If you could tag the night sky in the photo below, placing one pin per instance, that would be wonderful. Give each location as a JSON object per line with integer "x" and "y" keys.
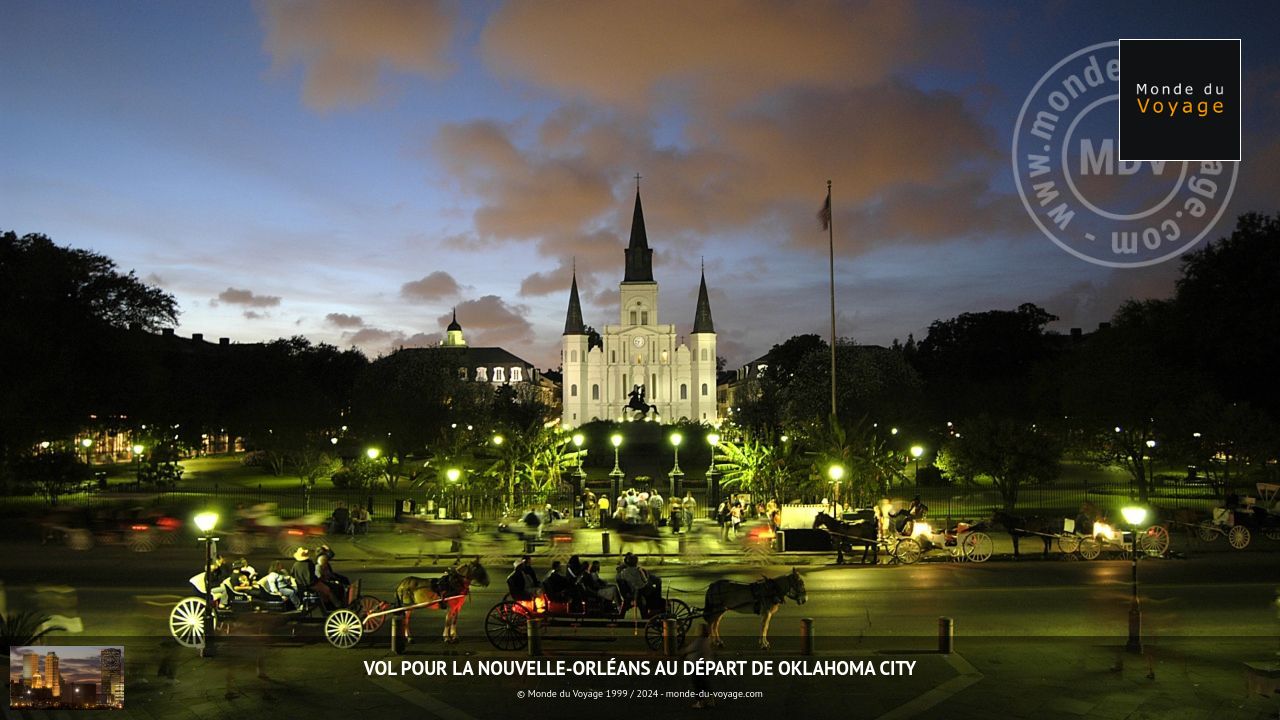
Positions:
{"x": 351, "y": 171}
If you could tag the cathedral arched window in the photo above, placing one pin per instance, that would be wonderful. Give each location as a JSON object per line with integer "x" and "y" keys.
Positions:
{"x": 573, "y": 391}
{"x": 684, "y": 391}
{"x": 573, "y": 356}
{"x": 644, "y": 317}
{"x": 595, "y": 392}
{"x": 704, "y": 354}
{"x": 704, "y": 389}
{"x": 613, "y": 357}
{"x": 633, "y": 317}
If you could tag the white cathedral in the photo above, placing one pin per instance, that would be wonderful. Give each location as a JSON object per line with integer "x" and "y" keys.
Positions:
{"x": 640, "y": 358}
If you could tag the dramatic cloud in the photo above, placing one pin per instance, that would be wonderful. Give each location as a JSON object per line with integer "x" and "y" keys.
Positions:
{"x": 491, "y": 321}
{"x": 343, "y": 320}
{"x": 435, "y": 286}
{"x": 232, "y": 296}
{"x": 344, "y": 46}
{"x": 720, "y": 51}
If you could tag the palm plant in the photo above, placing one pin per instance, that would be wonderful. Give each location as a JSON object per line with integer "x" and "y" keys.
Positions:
{"x": 24, "y": 628}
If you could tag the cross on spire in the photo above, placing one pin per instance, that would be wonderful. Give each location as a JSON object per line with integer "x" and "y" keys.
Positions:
{"x": 637, "y": 182}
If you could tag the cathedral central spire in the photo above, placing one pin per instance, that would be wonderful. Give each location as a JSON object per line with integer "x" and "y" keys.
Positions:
{"x": 639, "y": 255}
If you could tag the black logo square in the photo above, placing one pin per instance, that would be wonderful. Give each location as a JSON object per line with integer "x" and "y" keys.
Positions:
{"x": 1180, "y": 100}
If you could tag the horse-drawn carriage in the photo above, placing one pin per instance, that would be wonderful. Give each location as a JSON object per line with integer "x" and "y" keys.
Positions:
{"x": 1086, "y": 536}
{"x": 343, "y": 627}
{"x": 506, "y": 625}
{"x": 1238, "y": 520}
{"x": 908, "y": 539}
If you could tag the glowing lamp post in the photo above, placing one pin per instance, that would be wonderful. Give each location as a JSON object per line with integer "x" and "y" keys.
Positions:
{"x": 1135, "y": 516}
{"x": 206, "y": 522}
{"x": 916, "y": 452}
{"x": 1151, "y": 461}
{"x": 87, "y": 444}
{"x": 372, "y": 453}
{"x": 615, "y": 475}
{"x": 578, "y": 474}
{"x": 676, "y": 474}
{"x": 137, "y": 463}
{"x": 836, "y": 473}
{"x": 453, "y": 474}
{"x": 498, "y": 440}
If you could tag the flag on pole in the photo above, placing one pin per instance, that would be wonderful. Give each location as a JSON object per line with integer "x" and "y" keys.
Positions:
{"x": 824, "y": 215}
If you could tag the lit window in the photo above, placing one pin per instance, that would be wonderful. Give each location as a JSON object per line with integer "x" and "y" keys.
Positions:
{"x": 516, "y": 375}
{"x": 704, "y": 389}
{"x": 462, "y": 373}
{"x": 499, "y": 375}
{"x": 595, "y": 392}
{"x": 482, "y": 374}
{"x": 684, "y": 391}
{"x": 573, "y": 391}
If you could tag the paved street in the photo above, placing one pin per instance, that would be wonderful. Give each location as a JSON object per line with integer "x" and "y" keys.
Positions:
{"x": 1039, "y": 638}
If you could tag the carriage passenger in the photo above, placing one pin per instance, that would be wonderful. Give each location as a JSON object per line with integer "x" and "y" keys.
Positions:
{"x": 523, "y": 583}
{"x": 607, "y": 591}
{"x": 638, "y": 586}
{"x": 557, "y": 584}
{"x": 304, "y": 575}
{"x": 278, "y": 583}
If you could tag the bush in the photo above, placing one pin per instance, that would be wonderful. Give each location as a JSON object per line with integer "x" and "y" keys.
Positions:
{"x": 255, "y": 459}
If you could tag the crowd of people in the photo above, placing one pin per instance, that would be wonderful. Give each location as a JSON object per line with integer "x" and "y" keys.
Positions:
{"x": 577, "y": 581}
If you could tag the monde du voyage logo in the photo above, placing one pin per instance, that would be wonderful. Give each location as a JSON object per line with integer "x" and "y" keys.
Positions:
{"x": 1174, "y": 181}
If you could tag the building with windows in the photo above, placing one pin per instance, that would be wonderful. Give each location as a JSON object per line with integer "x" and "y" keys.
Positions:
{"x": 111, "y": 689}
{"x": 639, "y": 354}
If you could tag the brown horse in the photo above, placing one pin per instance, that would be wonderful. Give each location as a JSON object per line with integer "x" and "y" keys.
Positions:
{"x": 443, "y": 593}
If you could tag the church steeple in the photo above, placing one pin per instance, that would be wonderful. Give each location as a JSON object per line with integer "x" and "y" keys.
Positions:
{"x": 639, "y": 256}
{"x": 453, "y": 333}
{"x": 573, "y": 324}
{"x": 702, "y": 317}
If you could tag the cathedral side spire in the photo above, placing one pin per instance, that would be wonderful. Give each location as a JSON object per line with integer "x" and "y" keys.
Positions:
{"x": 573, "y": 324}
{"x": 702, "y": 317}
{"x": 639, "y": 255}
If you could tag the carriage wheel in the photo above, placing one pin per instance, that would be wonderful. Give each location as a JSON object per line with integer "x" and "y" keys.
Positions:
{"x": 141, "y": 541}
{"x": 978, "y": 547}
{"x": 505, "y": 626}
{"x": 1090, "y": 548}
{"x": 1207, "y": 533}
{"x": 1155, "y": 541}
{"x": 681, "y": 611}
{"x": 1272, "y": 533}
{"x": 343, "y": 628}
{"x": 1069, "y": 544}
{"x": 1239, "y": 537}
{"x": 366, "y": 604}
{"x": 908, "y": 551}
{"x": 240, "y": 543}
{"x": 186, "y": 622}
{"x": 653, "y": 630}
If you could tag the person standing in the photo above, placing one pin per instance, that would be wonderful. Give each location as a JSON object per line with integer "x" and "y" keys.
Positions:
{"x": 676, "y": 511}
{"x": 603, "y": 506}
{"x": 690, "y": 509}
{"x": 658, "y": 507}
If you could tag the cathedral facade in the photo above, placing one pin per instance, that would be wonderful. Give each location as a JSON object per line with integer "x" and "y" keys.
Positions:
{"x": 639, "y": 361}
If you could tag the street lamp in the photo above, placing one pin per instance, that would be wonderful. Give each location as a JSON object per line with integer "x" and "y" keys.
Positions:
{"x": 676, "y": 474}
{"x": 86, "y": 444}
{"x": 836, "y": 473}
{"x": 137, "y": 463}
{"x": 916, "y": 452}
{"x": 578, "y": 475}
{"x": 714, "y": 441}
{"x": 497, "y": 439}
{"x": 1151, "y": 462}
{"x": 615, "y": 475}
{"x": 1135, "y": 516}
{"x": 206, "y": 522}
{"x": 372, "y": 453}
{"x": 453, "y": 474}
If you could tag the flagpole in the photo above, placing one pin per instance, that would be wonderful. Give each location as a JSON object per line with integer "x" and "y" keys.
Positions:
{"x": 831, "y": 257}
